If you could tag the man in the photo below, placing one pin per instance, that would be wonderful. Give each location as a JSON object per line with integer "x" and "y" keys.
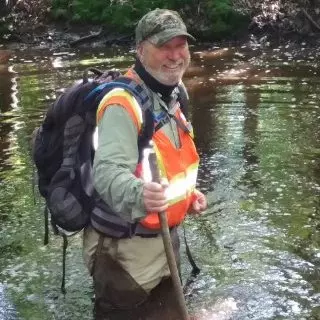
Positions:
{"x": 123, "y": 247}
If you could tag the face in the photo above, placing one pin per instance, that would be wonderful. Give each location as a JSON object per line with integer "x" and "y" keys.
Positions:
{"x": 166, "y": 63}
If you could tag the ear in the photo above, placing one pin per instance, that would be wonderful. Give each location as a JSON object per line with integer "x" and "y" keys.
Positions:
{"x": 140, "y": 49}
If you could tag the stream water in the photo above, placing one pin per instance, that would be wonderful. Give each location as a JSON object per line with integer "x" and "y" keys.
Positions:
{"x": 257, "y": 127}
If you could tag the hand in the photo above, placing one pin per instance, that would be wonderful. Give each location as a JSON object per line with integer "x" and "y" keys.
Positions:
{"x": 199, "y": 204}
{"x": 154, "y": 198}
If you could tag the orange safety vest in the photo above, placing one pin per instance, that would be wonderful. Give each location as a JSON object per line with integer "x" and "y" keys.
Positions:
{"x": 178, "y": 165}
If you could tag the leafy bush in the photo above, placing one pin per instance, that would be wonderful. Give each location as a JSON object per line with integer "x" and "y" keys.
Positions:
{"x": 4, "y": 29}
{"x": 224, "y": 20}
{"x": 217, "y": 16}
{"x": 61, "y": 9}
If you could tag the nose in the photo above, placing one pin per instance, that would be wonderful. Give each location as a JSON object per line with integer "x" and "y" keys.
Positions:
{"x": 174, "y": 54}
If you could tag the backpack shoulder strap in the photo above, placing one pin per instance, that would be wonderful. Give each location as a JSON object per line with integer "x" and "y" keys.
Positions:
{"x": 126, "y": 83}
{"x": 183, "y": 98}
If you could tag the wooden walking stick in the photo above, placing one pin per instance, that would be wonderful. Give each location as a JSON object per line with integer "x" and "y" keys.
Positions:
{"x": 167, "y": 242}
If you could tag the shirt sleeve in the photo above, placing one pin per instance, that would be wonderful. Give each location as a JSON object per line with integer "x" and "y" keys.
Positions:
{"x": 114, "y": 164}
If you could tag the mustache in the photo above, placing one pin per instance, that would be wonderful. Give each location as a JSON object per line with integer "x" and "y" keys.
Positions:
{"x": 175, "y": 64}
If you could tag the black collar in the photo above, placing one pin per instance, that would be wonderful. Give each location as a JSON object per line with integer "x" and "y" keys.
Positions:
{"x": 152, "y": 83}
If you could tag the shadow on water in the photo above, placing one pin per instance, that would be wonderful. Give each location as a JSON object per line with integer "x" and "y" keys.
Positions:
{"x": 256, "y": 121}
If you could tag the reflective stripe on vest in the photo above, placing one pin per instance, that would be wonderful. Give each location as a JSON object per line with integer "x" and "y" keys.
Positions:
{"x": 123, "y": 98}
{"x": 181, "y": 185}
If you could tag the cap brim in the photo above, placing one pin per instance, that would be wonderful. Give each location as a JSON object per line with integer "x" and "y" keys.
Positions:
{"x": 162, "y": 37}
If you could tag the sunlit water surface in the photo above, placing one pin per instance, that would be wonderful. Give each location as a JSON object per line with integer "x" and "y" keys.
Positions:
{"x": 256, "y": 119}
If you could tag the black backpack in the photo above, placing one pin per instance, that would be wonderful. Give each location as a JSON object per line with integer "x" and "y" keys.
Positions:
{"x": 63, "y": 150}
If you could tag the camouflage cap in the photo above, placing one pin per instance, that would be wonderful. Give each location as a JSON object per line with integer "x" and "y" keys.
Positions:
{"x": 159, "y": 26}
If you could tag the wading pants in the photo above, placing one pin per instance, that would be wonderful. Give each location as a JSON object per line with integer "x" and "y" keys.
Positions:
{"x": 125, "y": 272}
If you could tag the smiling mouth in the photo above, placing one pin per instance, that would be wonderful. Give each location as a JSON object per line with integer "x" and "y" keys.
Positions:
{"x": 173, "y": 67}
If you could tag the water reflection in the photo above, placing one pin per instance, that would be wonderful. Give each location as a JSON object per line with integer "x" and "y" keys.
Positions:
{"x": 251, "y": 138}
{"x": 7, "y": 311}
{"x": 256, "y": 122}
{"x": 5, "y": 125}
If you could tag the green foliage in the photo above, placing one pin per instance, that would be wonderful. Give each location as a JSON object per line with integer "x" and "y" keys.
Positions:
{"x": 3, "y": 29}
{"x": 61, "y": 9}
{"x": 60, "y": 14}
{"x": 217, "y": 16}
{"x": 120, "y": 15}
{"x": 224, "y": 20}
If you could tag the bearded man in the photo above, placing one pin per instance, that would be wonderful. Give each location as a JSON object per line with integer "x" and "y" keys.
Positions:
{"x": 123, "y": 248}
